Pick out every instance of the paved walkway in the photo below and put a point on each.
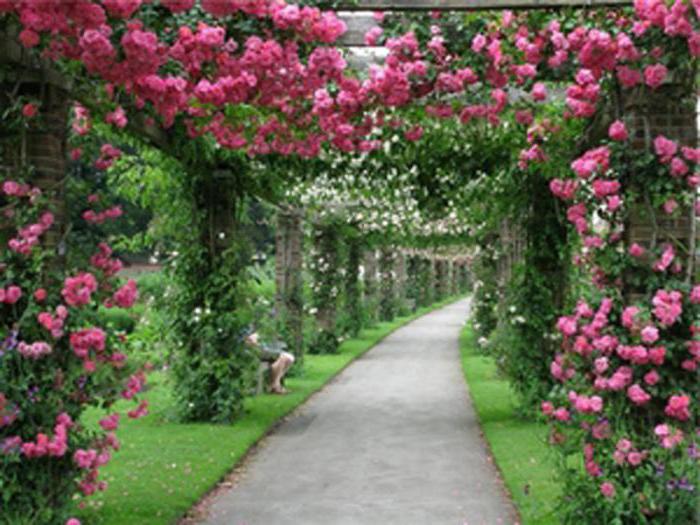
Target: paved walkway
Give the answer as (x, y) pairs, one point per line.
(393, 440)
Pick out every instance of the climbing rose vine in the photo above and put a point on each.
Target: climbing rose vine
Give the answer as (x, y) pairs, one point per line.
(55, 362)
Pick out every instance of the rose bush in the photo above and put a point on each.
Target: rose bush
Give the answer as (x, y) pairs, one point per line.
(55, 362)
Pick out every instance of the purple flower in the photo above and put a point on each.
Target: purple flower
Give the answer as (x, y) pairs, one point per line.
(683, 484)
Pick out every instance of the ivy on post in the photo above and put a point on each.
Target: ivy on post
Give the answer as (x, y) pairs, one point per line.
(413, 281)
(353, 297)
(387, 283)
(442, 281)
(371, 285)
(212, 367)
(324, 266)
(289, 301)
(454, 277)
(401, 281)
(427, 281)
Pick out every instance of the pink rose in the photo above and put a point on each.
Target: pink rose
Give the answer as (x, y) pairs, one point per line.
(650, 334)
(636, 250)
(607, 489)
(678, 167)
(637, 395)
(618, 131)
(654, 75)
(670, 206)
(29, 110)
(677, 407)
(665, 148)
(651, 378)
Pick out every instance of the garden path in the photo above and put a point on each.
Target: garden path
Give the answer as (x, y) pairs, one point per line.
(393, 440)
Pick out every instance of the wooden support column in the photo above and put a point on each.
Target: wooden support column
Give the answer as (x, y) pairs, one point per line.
(353, 298)
(38, 153)
(289, 307)
(371, 285)
(401, 280)
(670, 111)
(326, 287)
(387, 300)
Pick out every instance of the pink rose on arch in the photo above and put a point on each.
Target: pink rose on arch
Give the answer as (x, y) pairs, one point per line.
(607, 489)
(636, 250)
(127, 295)
(29, 110)
(665, 148)
(678, 407)
(539, 92)
(638, 395)
(654, 75)
(678, 167)
(177, 6)
(650, 334)
(695, 294)
(618, 131)
(670, 206)
(651, 378)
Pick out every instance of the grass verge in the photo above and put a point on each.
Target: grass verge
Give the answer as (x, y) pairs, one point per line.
(165, 467)
(518, 445)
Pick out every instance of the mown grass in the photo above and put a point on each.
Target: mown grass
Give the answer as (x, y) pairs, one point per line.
(165, 467)
(518, 445)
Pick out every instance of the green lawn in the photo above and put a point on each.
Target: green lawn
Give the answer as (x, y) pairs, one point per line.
(519, 446)
(164, 467)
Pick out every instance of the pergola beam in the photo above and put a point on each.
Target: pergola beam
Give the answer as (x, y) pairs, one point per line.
(472, 5)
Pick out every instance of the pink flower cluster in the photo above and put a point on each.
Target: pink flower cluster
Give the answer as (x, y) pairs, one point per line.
(35, 350)
(103, 260)
(77, 291)
(83, 341)
(28, 237)
(108, 155)
(127, 295)
(10, 295)
(54, 324)
(55, 446)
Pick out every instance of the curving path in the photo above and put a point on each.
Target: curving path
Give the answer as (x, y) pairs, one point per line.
(393, 440)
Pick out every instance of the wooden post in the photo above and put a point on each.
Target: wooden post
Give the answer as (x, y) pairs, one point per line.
(371, 285)
(38, 154)
(326, 287)
(353, 299)
(401, 280)
(387, 304)
(289, 309)
(668, 111)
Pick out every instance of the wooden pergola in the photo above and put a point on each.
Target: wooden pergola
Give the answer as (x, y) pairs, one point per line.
(359, 19)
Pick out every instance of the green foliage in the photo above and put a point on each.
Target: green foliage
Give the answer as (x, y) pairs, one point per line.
(387, 287)
(325, 269)
(354, 317)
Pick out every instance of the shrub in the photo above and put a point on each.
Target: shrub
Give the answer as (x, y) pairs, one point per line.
(56, 360)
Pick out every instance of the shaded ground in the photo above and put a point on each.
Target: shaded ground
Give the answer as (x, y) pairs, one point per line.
(393, 440)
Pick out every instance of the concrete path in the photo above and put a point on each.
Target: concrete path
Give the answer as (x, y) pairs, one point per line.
(393, 440)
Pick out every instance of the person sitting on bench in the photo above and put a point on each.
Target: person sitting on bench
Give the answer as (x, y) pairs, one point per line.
(276, 355)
